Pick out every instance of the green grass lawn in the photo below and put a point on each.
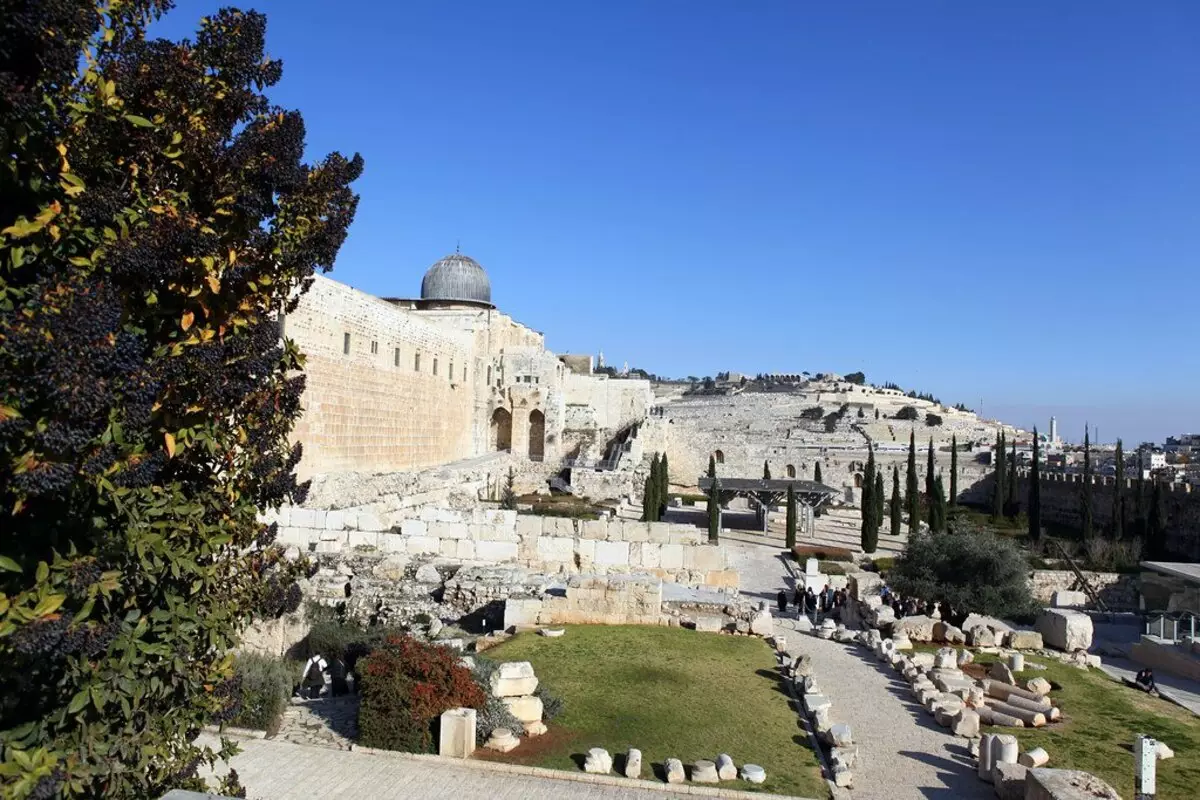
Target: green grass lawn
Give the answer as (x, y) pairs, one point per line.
(1102, 717)
(671, 693)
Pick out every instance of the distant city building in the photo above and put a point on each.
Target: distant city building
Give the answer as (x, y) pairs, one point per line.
(1186, 443)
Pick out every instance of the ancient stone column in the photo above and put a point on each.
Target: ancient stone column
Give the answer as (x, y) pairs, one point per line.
(456, 738)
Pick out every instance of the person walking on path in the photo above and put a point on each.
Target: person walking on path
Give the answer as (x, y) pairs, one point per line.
(781, 601)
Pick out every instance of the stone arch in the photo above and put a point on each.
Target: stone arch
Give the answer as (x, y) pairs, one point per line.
(857, 481)
(719, 456)
(791, 470)
(537, 435)
(501, 429)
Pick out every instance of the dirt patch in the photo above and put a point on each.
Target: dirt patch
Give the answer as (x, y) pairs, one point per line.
(532, 750)
(976, 671)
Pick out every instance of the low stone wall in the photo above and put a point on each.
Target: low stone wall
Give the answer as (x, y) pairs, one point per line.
(1117, 590)
(671, 552)
(592, 599)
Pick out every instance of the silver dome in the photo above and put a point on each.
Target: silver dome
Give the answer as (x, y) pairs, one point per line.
(457, 278)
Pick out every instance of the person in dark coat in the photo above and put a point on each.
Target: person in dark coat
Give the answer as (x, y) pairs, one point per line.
(781, 601)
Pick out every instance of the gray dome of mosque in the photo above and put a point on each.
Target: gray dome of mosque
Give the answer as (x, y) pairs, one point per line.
(457, 278)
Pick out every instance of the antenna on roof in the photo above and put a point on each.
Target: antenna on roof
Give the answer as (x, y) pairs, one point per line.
(457, 242)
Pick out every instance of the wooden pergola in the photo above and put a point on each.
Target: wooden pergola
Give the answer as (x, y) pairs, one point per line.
(766, 494)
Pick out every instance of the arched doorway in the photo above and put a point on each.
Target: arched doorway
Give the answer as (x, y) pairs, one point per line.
(501, 433)
(537, 435)
(719, 456)
(791, 470)
(857, 481)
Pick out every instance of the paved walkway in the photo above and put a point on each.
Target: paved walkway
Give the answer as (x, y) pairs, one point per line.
(902, 753)
(276, 770)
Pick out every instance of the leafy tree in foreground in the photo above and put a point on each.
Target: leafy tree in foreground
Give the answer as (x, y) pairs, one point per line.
(155, 218)
(968, 571)
(791, 518)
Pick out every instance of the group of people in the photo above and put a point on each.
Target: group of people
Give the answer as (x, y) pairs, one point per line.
(807, 601)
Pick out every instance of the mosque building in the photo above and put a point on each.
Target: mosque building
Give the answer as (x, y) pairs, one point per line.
(399, 384)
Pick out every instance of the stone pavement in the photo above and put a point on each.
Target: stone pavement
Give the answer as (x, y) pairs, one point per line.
(327, 722)
(276, 770)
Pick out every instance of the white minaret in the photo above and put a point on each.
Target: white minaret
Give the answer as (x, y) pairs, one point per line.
(1053, 431)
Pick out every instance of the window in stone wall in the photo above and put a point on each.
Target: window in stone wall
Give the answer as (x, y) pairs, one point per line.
(374, 348)
(396, 358)
(450, 372)
(417, 362)
(435, 366)
(345, 344)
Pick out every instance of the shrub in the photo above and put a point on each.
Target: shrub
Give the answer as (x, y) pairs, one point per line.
(932, 420)
(1108, 555)
(156, 216)
(336, 638)
(833, 568)
(812, 413)
(804, 551)
(406, 685)
(264, 685)
(552, 704)
(881, 565)
(908, 412)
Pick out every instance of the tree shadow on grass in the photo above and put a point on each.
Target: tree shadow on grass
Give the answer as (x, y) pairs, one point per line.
(776, 678)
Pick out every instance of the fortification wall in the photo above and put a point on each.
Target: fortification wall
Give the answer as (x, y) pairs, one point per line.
(1061, 504)
(675, 553)
(391, 402)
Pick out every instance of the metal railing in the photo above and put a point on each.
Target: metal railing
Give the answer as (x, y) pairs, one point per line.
(1171, 626)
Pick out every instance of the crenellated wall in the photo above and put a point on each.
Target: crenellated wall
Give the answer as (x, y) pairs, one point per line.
(1061, 504)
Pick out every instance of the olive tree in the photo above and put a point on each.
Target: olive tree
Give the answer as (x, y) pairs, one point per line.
(156, 217)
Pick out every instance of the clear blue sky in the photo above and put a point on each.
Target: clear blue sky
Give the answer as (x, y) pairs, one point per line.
(982, 200)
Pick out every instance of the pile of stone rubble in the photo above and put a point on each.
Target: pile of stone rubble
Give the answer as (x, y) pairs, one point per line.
(599, 762)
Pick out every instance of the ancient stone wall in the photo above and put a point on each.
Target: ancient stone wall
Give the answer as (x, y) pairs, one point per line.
(1061, 504)
(391, 402)
(1117, 590)
(676, 553)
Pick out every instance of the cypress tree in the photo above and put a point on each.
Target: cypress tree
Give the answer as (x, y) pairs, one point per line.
(1156, 536)
(896, 503)
(648, 500)
(817, 472)
(1085, 494)
(1011, 506)
(1035, 492)
(954, 470)
(655, 484)
(1139, 502)
(1118, 501)
(664, 483)
(911, 497)
(880, 497)
(712, 466)
(766, 471)
(714, 512)
(998, 489)
(929, 465)
(937, 507)
(870, 526)
(791, 518)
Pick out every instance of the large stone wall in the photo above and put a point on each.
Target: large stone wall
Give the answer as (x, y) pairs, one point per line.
(676, 553)
(1061, 504)
(1117, 590)
(362, 410)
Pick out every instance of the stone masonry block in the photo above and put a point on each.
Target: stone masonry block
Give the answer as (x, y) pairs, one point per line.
(672, 556)
(651, 555)
(660, 531)
(414, 527)
(612, 553)
(304, 518)
(556, 548)
(449, 547)
(635, 532)
(332, 536)
(292, 536)
(559, 526)
(708, 557)
(595, 529)
(465, 549)
(496, 551)
(529, 525)
(687, 534)
(586, 550)
(392, 543)
(635, 554)
(370, 522)
(363, 539)
(335, 520)
(423, 544)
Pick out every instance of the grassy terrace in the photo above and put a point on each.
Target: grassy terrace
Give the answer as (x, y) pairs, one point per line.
(671, 693)
(1101, 718)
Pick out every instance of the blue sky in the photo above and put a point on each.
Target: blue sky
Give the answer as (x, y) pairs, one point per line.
(996, 201)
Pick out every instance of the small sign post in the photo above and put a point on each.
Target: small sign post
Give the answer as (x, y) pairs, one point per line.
(1145, 758)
